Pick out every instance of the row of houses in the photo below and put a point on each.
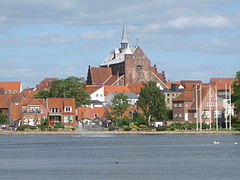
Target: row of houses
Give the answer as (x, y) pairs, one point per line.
(201, 102)
(190, 101)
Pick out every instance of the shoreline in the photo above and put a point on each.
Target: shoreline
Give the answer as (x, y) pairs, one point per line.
(113, 132)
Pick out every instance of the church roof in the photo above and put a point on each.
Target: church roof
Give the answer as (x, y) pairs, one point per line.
(100, 74)
(117, 56)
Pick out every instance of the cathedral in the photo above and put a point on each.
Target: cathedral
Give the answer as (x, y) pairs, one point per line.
(125, 65)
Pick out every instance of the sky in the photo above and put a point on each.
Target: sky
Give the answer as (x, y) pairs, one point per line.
(188, 39)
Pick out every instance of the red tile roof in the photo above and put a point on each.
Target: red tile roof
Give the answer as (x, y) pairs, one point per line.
(190, 84)
(100, 75)
(16, 110)
(91, 89)
(186, 96)
(135, 88)
(60, 102)
(13, 86)
(88, 112)
(46, 83)
(116, 89)
(221, 82)
(31, 101)
(29, 92)
(161, 76)
(111, 80)
(4, 101)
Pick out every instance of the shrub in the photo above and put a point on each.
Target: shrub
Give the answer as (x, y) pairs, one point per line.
(142, 126)
(171, 128)
(58, 125)
(127, 128)
(161, 128)
(22, 128)
(139, 119)
(71, 127)
(111, 128)
(134, 127)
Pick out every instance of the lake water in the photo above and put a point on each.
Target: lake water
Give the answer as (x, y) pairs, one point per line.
(71, 157)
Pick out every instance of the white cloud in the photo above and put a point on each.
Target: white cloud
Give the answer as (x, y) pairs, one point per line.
(93, 35)
(200, 22)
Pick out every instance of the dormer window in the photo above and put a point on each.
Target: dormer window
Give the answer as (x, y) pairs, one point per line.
(68, 109)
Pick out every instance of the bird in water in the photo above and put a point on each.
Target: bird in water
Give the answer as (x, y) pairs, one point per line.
(216, 142)
(235, 143)
(116, 162)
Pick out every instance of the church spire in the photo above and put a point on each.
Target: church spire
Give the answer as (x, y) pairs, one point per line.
(124, 42)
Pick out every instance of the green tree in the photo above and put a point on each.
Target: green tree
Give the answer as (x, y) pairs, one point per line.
(119, 105)
(3, 119)
(152, 102)
(236, 93)
(42, 94)
(71, 87)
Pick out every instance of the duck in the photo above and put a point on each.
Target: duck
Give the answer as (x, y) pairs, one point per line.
(235, 143)
(216, 142)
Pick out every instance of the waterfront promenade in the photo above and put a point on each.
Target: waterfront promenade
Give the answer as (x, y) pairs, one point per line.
(115, 132)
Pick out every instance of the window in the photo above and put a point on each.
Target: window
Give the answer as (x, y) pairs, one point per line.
(95, 115)
(54, 110)
(68, 109)
(195, 115)
(180, 105)
(180, 115)
(96, 95)
(68, 119)
(139, 67)
(176, 115)
(175, 104)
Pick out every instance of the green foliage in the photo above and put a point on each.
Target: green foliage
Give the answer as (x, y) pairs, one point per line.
(111, 128)
(58, 125)
(42, 94)
(142, 126)
(125, 121)
(152, 102)
(236, 93)
(236, 122)
(119, 105)
(3, 119)
(42, 127)
(22, 128)
(71, 87)
(139, 119)
(161, 128)
(170, 114)
(135, 127)
(44, 121)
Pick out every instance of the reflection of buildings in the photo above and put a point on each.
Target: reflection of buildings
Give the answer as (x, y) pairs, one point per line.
(125, 65)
